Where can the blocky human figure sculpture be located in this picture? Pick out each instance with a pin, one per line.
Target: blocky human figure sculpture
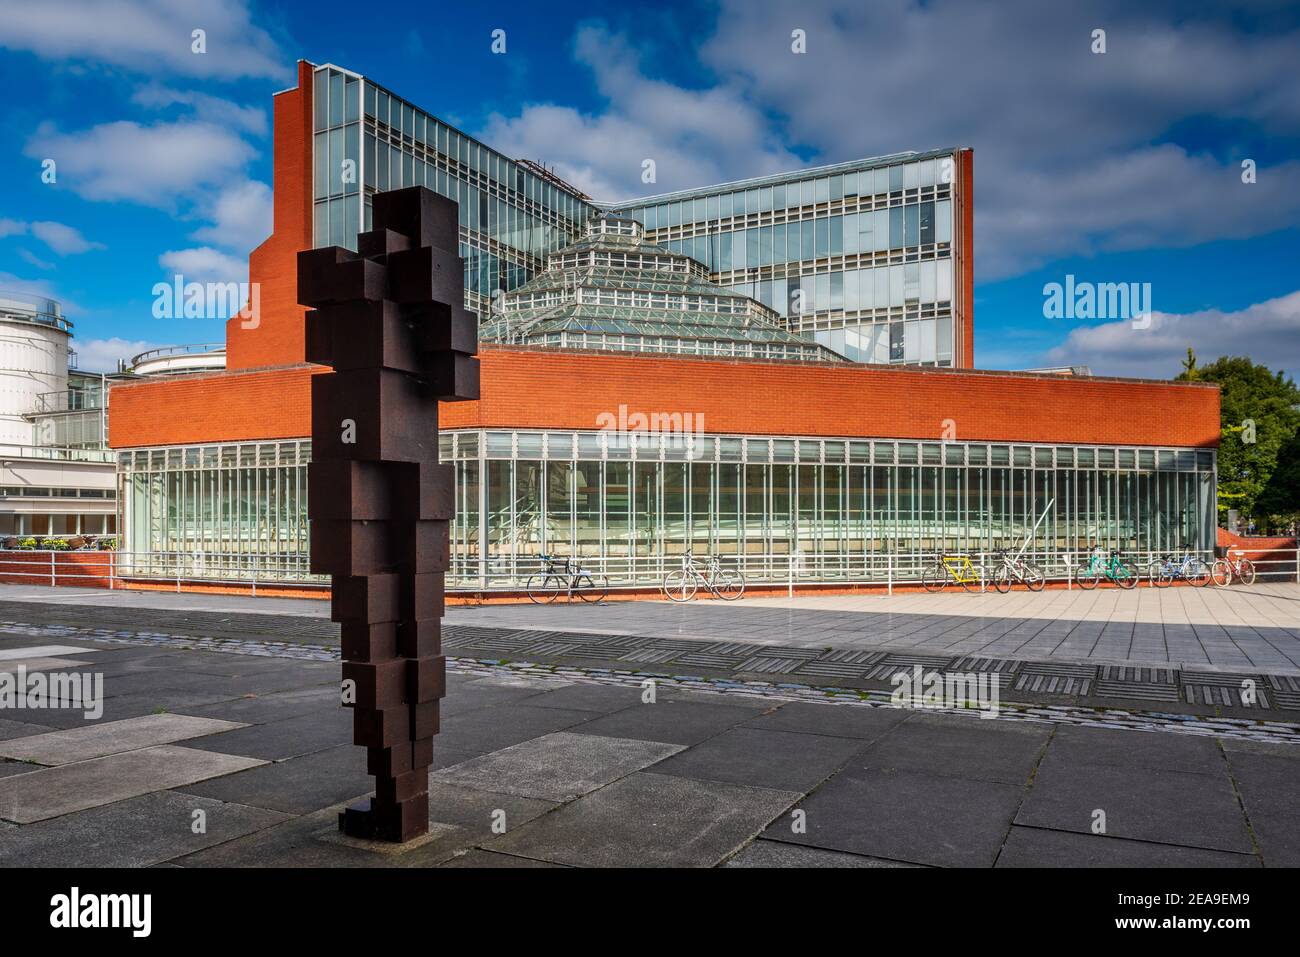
(390, 320)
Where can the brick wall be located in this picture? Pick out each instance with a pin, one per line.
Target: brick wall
(540, 389)
(278, 337)
(71, 569)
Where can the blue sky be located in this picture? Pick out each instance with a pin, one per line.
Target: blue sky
(1122, 166)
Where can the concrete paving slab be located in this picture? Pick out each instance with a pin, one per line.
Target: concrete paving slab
(1144, 804)
(844, 721)
(41, 651)
(12, 665)
(20, 729)
(1133, 749)
(137, 832)
(958, 746)
(781, 760)
(588, 697)
(76, 787)
(490, 859)
(276, 706)
(907, 816)
(649, 820)
(1038, 847)
(765, 853)
(8, 768)
(286, 738)
(1270, 791)
(97, 740)
(556, 767)
(297, 786)
(671, 721)
(491, 729)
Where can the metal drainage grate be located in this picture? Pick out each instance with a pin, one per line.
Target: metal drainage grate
(1041, 678)
(1286, 691)
(978, 663)
(1138, 675)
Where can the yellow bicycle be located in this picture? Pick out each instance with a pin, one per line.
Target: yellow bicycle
(958, 569)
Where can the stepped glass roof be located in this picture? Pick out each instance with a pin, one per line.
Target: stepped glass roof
(611, 289)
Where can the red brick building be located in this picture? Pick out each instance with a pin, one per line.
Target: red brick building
(604, 446)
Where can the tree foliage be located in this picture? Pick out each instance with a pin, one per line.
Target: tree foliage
(1259, 451)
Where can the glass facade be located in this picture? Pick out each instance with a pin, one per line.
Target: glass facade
(859, 256)
(613, 290)
(366, 140)
(815, 510)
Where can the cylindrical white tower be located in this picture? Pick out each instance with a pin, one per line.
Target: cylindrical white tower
(33, 360)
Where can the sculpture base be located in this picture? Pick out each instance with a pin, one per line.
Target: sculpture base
(375, 820)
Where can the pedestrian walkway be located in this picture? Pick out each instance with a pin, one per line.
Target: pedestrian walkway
(550, 771)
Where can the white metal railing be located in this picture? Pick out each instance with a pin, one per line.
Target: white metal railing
(510, 573)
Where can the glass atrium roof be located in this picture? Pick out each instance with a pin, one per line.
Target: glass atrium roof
(611, 289)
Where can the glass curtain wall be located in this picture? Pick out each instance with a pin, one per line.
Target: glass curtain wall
(631, 505)
(366, 140)
(858, 256)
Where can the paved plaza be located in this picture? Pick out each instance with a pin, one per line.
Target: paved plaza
(215, 714)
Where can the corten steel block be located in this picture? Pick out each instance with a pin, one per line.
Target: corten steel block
(380, 684)
(362, 642)
(424, 275)
(345, 489)
(426, 679)
(427, 218)
(419, 639)
(368, 599)
(390, 320)
(335, 274)
(374, 415)
(387, 335)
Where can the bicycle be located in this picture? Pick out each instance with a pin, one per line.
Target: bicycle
(1099, 565)
(1190, 568)
(1027, 573)
(952, 568)
(1226, 569)
(681, 584)
(562, 575)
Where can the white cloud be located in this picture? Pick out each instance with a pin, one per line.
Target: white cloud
(1268, 330)
(30, 257)
(64, 240)
(694, 137)
(151, 165)
(204, 264)
(146, 35)
(12, 227)
(1073, 150)
(241, 217)
(36, 287)
(101, 355)
(213, 109)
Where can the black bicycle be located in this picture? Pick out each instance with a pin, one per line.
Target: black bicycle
(561, 576)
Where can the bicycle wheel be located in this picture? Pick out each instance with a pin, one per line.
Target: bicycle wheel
(591, 588)
(1087, 577)
(1034, 578)
(935, 578)
(1246, 572)
(1221, 573)
(1156, 574)
(679, 585)
(543, 589)
(1125, 575)
(1002, 579)
(974, 578)
(729, 585)
(1197, 572)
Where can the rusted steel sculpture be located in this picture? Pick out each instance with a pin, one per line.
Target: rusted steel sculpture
(390, 320)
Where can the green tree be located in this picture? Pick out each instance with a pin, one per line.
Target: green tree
(1259, 417)
(1281, 495)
